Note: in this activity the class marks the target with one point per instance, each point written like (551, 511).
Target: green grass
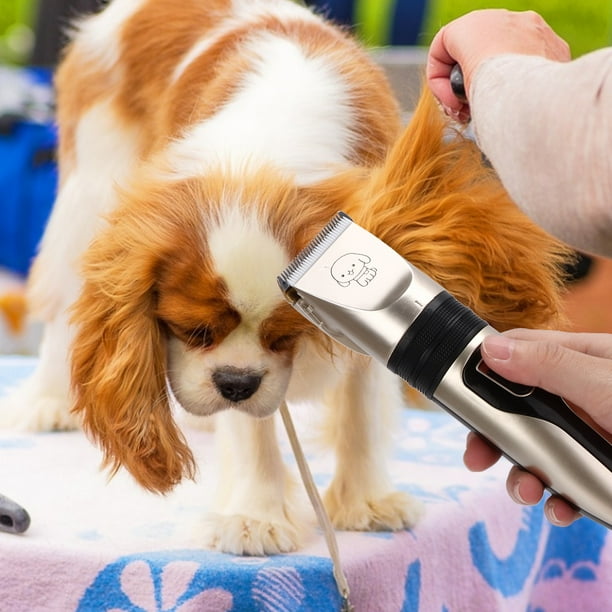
(16, 19)
(12, 11)
(585, 24)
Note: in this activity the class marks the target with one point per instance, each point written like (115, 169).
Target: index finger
(439, 60)
(438, 70)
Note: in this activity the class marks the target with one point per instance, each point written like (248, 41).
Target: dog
(203, 144)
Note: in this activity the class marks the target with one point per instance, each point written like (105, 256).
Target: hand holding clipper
(363, 294)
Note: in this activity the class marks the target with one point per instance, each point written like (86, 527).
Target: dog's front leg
(360, 496)
(42, 402)
(258, 508)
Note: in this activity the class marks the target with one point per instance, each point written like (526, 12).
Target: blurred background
(586, 25)
(397, 31)
(16, 30)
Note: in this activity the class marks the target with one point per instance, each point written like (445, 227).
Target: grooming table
(97, 545)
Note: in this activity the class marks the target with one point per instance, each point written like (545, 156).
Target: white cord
(317, 504)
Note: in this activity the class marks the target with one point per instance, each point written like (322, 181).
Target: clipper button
(511, 387)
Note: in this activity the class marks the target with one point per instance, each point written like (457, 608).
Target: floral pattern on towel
(190, 581)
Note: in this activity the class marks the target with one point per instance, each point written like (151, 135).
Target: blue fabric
(28, 182)
(262, 583)
(340, 11)
(407, 22)
(405, 28)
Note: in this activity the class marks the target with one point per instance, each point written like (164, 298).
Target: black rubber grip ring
(433, 342)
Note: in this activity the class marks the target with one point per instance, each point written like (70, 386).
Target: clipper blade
(312, 251)
(347, 282)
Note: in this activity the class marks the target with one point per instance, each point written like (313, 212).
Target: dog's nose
(235, 384)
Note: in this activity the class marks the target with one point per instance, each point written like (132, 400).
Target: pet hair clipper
(362, 293)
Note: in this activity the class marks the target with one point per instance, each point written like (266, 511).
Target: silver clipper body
(365, 295)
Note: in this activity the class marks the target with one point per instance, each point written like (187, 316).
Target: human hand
(576, 366)
(474, 37)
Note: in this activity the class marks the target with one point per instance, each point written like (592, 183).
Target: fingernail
(498, 347)
(464, 116)
(451, 112)
(550, 511)
(516, 494)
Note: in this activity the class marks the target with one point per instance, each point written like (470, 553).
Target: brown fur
(119, 361)
(440, 207)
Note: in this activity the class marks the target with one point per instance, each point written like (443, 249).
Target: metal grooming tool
(362, 293)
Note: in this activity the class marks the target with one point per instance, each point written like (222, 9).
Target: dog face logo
(353, 268)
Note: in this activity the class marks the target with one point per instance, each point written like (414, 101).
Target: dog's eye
(283, 343)
(199, 337)
(196, 337)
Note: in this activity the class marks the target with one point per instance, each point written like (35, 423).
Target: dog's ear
(119, 360)
(438, 204)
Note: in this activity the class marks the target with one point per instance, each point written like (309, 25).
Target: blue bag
(28, 171)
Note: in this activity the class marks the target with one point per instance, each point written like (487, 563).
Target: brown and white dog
(203, 143)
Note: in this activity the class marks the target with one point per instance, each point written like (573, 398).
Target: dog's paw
(242, 535)
(25, 411)
(390, 512)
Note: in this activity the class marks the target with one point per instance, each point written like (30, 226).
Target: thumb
(584, 380)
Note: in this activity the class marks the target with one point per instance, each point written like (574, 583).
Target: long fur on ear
(445, 211)
(119, 359)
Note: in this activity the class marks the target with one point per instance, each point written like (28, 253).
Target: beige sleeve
(547, 129)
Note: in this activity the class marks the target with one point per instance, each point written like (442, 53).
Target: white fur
(98, 34)
(303, 118)
(245, 254)
(106, 153)
(259, 505)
